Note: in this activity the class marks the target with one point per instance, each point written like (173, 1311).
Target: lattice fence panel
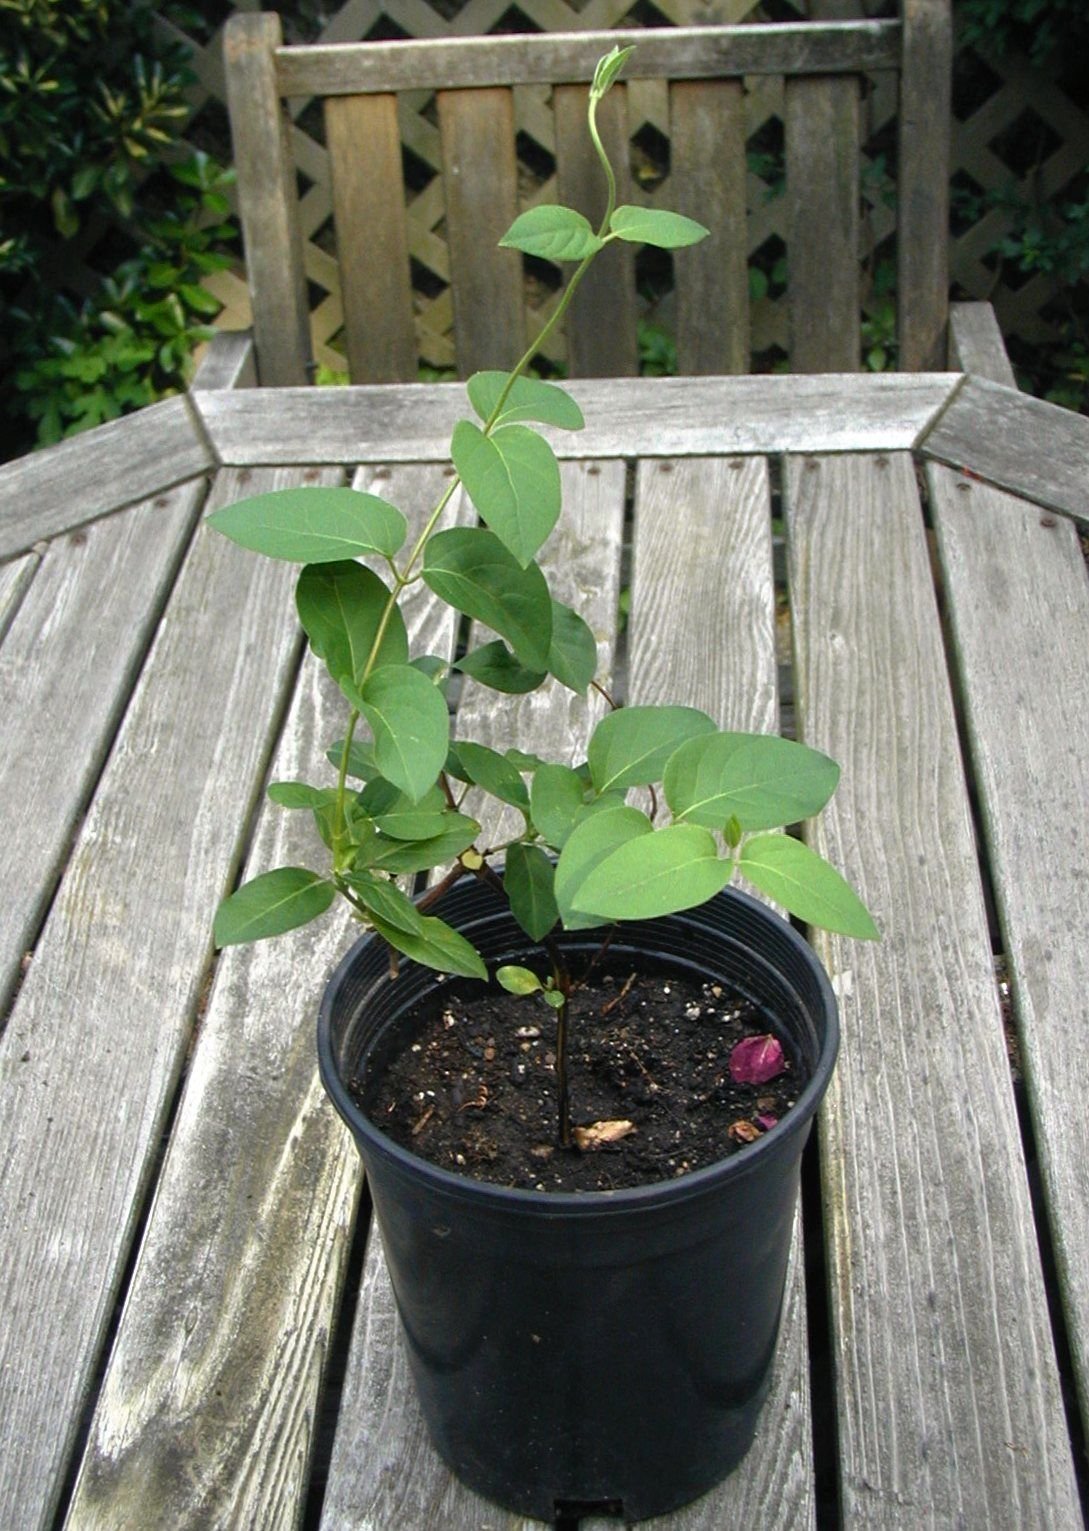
(1008, 101)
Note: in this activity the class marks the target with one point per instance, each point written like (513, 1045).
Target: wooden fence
(1013, 128)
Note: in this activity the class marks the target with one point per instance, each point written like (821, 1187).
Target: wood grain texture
(701, 416)
(570, 57)
(238, 1282)
(228, 362)
(15, 581)
(267, 199)
(1018, 602)
(480, 179)
(66, 671)
(707, 182)
(97, 1036)
(822, 139)
(949, 1408)
(384, 1473)
(364, 146)
(703, 575)
(976, 344)
(78, 480)
(601, 322)
(1038, 450)
(924, 132)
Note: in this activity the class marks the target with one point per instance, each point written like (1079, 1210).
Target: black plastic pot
(603, 1349)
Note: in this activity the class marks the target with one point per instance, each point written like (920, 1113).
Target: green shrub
(91, 106)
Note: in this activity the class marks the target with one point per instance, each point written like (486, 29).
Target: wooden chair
(822, 64)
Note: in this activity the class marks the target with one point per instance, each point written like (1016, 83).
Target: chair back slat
(481, 179)
(602, 320)
(267, 200)
(822, 188)
(816, 68)
(364, 146)
(707, 171)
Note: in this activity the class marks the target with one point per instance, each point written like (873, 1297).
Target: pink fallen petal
(766, 1121)
(756, 1059)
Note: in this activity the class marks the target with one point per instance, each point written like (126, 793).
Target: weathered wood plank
(570, 57)
(922, 184)
(410, 423)
(236, 1289)
(601, 322)
(268, 199)
(229, 362)
(384, 1474)
(364, 146)
(822, 140)
(110, 466)
(1038, 450)
(480, 178)
(66, 670)
(976, 344)
(702, 632)
(98, 1033)
(15, 581)
(949, 1407)
(1018, 603)
(707, 182)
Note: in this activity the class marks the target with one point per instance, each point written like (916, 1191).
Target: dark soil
(476, 1091)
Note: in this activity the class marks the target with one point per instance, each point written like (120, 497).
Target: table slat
(1037, 449)
(97, 1037)
(412, 422)
(15, 578)
(950, 1411)
(703, 576)
(384, 1474)
(1019, 607)
(66, 669)
(78, 480)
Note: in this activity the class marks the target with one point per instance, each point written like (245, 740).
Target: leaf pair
(554, 232)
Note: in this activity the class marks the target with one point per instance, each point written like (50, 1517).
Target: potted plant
(590, 1324)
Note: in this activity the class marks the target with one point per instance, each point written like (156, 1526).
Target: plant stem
(561, 979)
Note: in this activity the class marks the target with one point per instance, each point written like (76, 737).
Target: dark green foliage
(1040, 29)
(91, 104)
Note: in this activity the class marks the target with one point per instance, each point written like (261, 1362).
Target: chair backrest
(822, 65)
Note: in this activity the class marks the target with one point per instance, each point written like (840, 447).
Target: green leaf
(361, 762)
(384, 854)
(803, 882)
(653, 226)
(435, 945)
(340, 605)
(674, 868)
(271, 904)
(518, 980)
(607, 70)
(397, 815)
(313, 524)
(572, 659)
(494, 772)
(472, 571)
(552, 233)
(588, 845)
(383, 898)
(528, 399)
(630, 747)
(494, 665)
(556, 796)
(759, 779)
(513, 479)
(411, 727)
(529, 878)
(299, 794)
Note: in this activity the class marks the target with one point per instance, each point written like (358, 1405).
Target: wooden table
(184, 1245)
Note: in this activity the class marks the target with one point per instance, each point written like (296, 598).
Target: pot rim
(515, 1199)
